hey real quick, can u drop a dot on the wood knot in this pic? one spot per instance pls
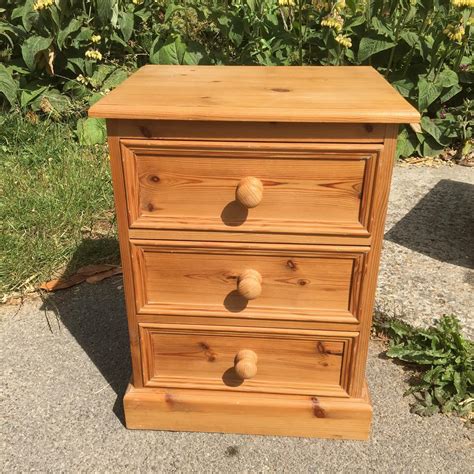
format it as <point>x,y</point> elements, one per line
<point>291,264</point>
<point>318,410</point>
<point>280,89</point>
<point>321,348</point>
<point>150,207</point>
<point>369,128</point>
<point>169,399</point>
<point>145,131</point>
<point>155,179</point>
<point>210,355</point>
<point>302,282</point>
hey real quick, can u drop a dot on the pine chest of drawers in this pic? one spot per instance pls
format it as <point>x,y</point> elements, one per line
<point>250,204</point>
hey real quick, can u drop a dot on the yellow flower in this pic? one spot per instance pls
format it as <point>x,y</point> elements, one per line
<point>344,41</point>
<point>96,38</point>
<point>137,2</point>
<point>94,54</point>
<point>82,79</point>
<point>286,3</point>
<point>463,3</point>
<point>455,32</point>
<point>334,21</point>
<point>42,4</point>
<point>340,5</point>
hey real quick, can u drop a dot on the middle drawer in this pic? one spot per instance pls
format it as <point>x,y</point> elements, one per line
<point>251,282</point>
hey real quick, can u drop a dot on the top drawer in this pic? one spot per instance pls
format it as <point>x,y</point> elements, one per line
<point>318,189</point>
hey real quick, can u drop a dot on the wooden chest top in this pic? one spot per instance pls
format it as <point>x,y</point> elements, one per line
<point>314,94</point>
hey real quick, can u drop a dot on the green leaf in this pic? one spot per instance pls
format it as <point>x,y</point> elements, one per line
<point>447,78</point>
<point>450,93</point>
<point>411,38</point>
<point>76,90</point>
<point>117,39</point>
<point>73,26</point>
<point>370,46</point>
<point>29,94</point>
<point>405,147</point>
<point>432,129</point>
<point>84,35</point>
<point>432,148</point>
<point>8,86</point>
<point>29,16</point>
<point>105,10</point>
<point>404,86</point>
<point>95,97</point>
<point>174,52</point>
<point>251,4</point>
<point>31,47</point>
<point>171,9</point>
<point>171,52</point>
<point>382,27</point>
<point>53,11</point>
<point>6,30</point>
<point>100,74</point>
<point>59,102</point>
<point>458,384</point>
<point>193,54</point>
<point>116,78</point>
<point>428,92</point>
<point>354,21</point>
<point>236,33</point>
<point>75,65</point>
<point>126,25</point>
<point>91,131</point>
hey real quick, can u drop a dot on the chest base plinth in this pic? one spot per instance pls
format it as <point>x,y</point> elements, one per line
<point>248,413</point>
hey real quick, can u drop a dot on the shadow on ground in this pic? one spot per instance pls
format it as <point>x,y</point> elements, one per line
<point>441,225</point>
<point>95,316</point>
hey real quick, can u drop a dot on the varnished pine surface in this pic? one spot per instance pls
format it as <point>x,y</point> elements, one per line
<point>295,362</point>
<point>204,280</point>
<point>343,94</point>
<point>248,413</point>
<point>306,188</point>
<point>191,135</point>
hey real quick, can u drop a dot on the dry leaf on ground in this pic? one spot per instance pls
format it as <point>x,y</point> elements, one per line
<point>89,273</point>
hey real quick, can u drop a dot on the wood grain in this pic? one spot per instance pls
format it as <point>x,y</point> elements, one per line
<point>122,223</point>
<point>248,413</point>
<point>265,238</point>
<point>304,362</point>
<point>307,188</point>
<point>369,283</point>
<point>300,238</point>
<point>203,280</point>
<point>274,132</point>
<point>347,94</point>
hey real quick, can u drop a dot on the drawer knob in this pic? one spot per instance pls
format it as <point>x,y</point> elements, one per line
<point>245,364</point>
<point>249,284</point>
<point>249,192</point>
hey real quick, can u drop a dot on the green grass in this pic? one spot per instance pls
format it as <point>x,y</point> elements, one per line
<point>56,210</point>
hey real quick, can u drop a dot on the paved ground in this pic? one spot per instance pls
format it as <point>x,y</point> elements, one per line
<point>64,376</point>
<point>428,256</point>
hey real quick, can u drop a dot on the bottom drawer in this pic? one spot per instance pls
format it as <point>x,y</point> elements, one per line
<point>275,361</point>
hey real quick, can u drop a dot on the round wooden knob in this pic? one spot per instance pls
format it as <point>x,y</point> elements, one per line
<point>245,364</point>
<point>249,192</point>
<point>249,284</point>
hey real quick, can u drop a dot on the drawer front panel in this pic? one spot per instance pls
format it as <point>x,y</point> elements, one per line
<point>309,362</point>
<point>217,281</point>
<point>306,188</point>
